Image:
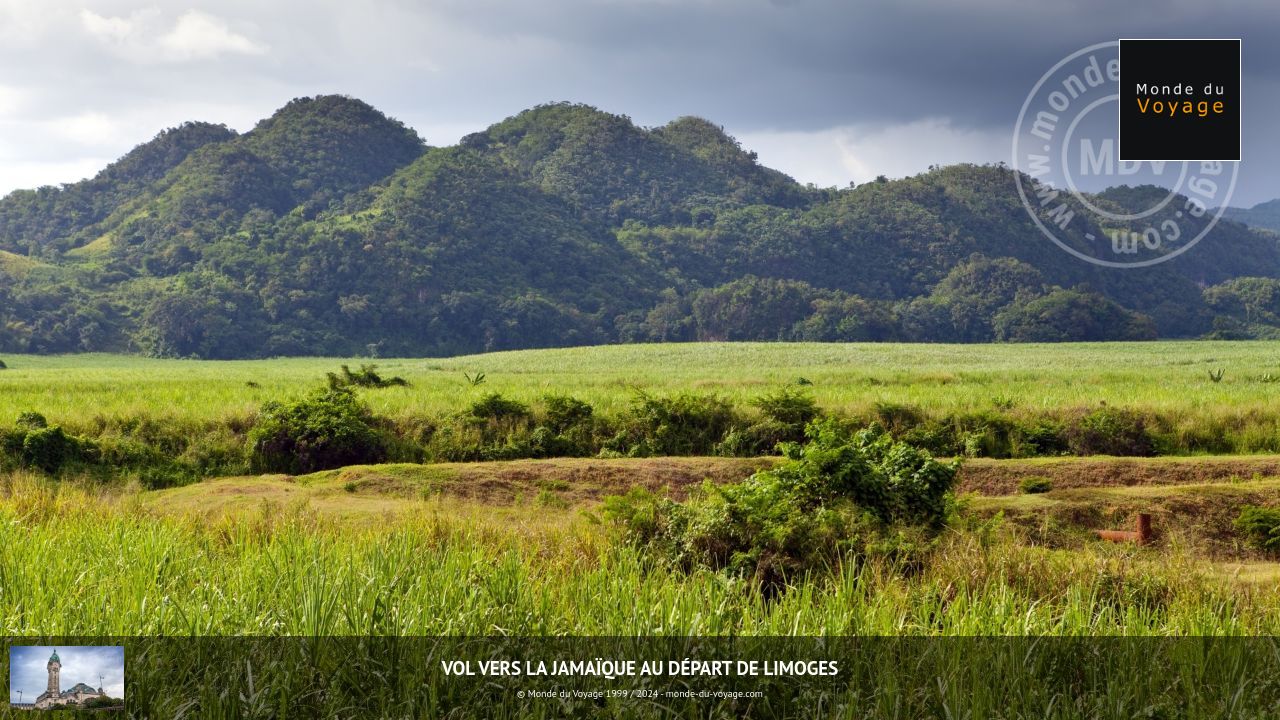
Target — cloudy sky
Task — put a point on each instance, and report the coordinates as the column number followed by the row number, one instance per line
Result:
column 827, row 90
column 28, row 669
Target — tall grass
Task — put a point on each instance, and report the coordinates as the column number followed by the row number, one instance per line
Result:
column 1164, row 376
column 76, row 562
column 198, row 410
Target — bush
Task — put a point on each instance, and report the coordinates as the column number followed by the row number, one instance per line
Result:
column 1035, row 484
column 898, row 417
column 1109, row 431
column 684, row 424
column 366, row 376
column 1260, row 527
column 840, row 492
column 32, row 420
column 328, row 429
column 789, row 407
column 495, row 407
column 565, row 413
column 786, row 413
column 3, row 366
column 46, row 448
column 49, row 448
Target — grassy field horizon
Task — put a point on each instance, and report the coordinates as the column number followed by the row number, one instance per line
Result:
column 523, row 547
column 1170, row 376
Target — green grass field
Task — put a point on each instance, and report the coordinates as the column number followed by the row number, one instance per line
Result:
column 519, row 547
column 328, row 561
column 1171, row 377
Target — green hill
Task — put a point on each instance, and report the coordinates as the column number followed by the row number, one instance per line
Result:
column 330, row 228
column 1263, row 215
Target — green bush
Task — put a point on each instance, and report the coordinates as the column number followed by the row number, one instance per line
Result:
column 785, row 415
column 366, row 377
column 761, row 438
column 328, row 429
column 32, row 420
column 840, row 492
column 49, row 448
column 565, row 413
column 1109, row 431
column 788, row 406
column 1035, row 484
column 1260, row 527
column 495, row 407
column 898, row 417
column 684, row 424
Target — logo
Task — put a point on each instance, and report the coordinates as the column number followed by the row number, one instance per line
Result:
column 1083, row 197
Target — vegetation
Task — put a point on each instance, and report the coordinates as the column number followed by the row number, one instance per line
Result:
column 366, row 377
column 324, row 430
column 330, row 229
column 1035, row 484
column 835, row 497
column 1261, row 527
column 166, row 422
column 415, row 566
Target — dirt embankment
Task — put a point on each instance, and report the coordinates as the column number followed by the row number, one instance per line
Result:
column 1001, row 477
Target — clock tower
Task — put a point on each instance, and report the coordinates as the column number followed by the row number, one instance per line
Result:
column 55, row 667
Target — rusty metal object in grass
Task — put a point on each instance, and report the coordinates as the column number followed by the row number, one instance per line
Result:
column 1141, row 535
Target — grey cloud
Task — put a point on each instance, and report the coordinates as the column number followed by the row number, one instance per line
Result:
column 753, row 65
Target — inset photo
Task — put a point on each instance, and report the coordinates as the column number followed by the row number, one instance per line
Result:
column 89, row 677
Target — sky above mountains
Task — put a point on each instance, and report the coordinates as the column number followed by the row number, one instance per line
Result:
column 829, row 92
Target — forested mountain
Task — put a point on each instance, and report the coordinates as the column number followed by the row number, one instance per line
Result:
column 331, row 229
column 1263, row 215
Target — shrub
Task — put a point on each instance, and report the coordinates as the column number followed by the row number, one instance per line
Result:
column 49, row 448
column 495, row 407
column 3, row 366
column 898, row 417
column 684, row 424
column 785, row 415
column 565, row 413
column 366, row 376
column 1260, row 527
column 328, row 429
column 760, row 438
column 1035, row 484
column 32, row 420
column 837, row 493
column 788, row 406
column 1109, row 431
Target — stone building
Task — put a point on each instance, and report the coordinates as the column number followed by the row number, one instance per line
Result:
column 54, row 695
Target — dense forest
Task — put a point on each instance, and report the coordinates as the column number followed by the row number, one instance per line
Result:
column 331, row 229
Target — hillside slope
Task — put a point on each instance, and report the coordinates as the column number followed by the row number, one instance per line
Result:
column 330, row 228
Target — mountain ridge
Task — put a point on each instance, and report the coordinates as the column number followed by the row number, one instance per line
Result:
column 330, row 228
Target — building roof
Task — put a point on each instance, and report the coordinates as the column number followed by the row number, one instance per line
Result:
column 54, row 657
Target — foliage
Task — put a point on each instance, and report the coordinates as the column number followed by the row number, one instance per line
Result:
column 495, row 407
column 682, row 424
column 1035, row 484
column 840, row 492
column 1071, row 315
column 1110, row 431
column 329, row 229
column 324, row 430
column 1261, row 527
column 366, row 377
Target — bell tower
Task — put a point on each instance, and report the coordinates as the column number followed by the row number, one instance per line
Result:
column 55, row 668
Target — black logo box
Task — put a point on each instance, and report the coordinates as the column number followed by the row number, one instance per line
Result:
column 1180, row 62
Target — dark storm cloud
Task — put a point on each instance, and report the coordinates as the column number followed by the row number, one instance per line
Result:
column 83, row 81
